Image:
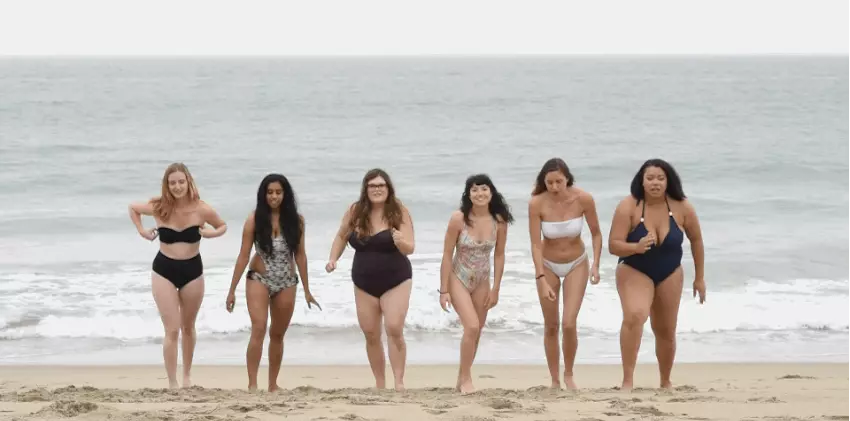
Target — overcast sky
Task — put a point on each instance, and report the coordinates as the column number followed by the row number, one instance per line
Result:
column 154, row 27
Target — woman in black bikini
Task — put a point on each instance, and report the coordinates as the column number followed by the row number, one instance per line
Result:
column 379, row 228
column 649, row 274
column 178, row 272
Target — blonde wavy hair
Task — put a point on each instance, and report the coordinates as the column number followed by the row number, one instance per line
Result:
column 164, row 205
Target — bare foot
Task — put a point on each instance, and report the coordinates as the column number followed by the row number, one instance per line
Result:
column 466, row 387
column 666, row 385
column 399, row 387
column 570, row 383
column 627, row 386
column 252, row 387
column 273, row 388
column 555, row 385
column 187, row 381
column 173, row 385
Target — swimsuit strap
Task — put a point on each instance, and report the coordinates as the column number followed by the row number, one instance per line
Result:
column 643, row 211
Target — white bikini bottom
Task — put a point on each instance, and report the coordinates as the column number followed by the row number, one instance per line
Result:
column 562, row 269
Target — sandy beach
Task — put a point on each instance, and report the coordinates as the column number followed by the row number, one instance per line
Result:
column 703, row 392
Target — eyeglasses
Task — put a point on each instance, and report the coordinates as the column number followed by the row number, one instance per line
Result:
column 376, row 185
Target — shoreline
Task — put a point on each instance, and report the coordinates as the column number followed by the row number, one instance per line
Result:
column 513, row 392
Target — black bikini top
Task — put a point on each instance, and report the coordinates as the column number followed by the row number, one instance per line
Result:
column 188, row 235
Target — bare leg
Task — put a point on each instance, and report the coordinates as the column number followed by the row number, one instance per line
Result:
column 575, row 284
column 664, row 315
column 168, row 303
column 550, row 328
column 394, row 304
column 369, row 318
column 465, row 309
column 191, row 297
column 479, row 299
column 257, row 299
column 636, row 292
column 283, row 304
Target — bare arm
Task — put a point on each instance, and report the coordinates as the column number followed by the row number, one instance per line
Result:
column 592, row 218
column 340, row 240
column 408, row 244
column 534, row 232
column 694, row 233
column 244, row 252
column 211, row 217
column 137, row 209
column 301, row 258
column 617, row 244
column 499, row 254
column 452, row 232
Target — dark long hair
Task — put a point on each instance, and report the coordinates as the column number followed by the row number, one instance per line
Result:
column 674, row 183
column 554, row 164
column 290, row 220
column 360, row 210
column 498, row 207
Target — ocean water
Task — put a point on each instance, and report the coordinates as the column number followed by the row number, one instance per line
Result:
column 761, row 144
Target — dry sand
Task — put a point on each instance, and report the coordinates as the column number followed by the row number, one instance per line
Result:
column 703, row 392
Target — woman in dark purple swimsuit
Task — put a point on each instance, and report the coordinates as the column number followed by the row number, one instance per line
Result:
column 379, row 228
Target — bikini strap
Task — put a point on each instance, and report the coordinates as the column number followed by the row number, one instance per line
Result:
column 643, row 210
column 669, row 212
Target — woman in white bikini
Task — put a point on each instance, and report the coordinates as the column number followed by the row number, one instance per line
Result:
column 557, row 210
column 479, row 226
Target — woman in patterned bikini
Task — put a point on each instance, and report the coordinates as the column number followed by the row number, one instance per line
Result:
column 479, row 226
column 276, row 229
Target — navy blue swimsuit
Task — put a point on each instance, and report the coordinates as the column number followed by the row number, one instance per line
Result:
column 661, row 260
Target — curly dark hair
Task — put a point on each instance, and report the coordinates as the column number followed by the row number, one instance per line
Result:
column 498, row 207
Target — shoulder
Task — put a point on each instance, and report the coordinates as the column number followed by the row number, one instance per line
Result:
column 456, row 219
column 685, row 206
column 405, row 211
column 249, row 221
column 204, row 206
column 584, row 197
column 536, row 201
column 627, row 204
column 350, row 210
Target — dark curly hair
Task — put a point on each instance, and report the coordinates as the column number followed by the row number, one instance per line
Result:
column 498, row 207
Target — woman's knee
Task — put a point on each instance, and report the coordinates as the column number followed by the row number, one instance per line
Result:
column 258, row 331
column 569, row 326
column 635, row 318
column 550, row 329
column 372, row 335
column 172, row 332
column 472, row 331
column 276, row 333
column 664, row 333
column 188, row 330
column 395, row 330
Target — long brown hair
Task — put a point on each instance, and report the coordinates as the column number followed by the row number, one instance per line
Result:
column 361, row 209
column 164, row 205
column 554, row 164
